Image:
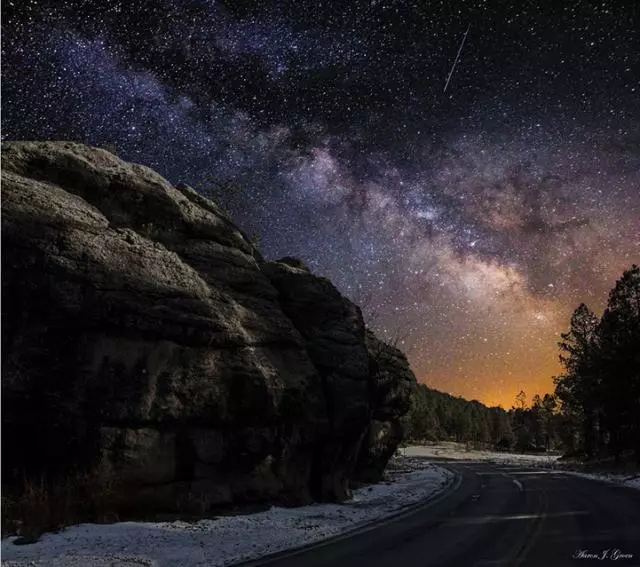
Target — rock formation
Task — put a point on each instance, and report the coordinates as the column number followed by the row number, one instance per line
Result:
column 391, row 385
column 144, row 334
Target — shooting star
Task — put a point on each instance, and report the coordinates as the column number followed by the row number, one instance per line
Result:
column 453, row 68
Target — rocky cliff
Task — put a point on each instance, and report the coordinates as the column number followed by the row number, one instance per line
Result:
column 144, row 334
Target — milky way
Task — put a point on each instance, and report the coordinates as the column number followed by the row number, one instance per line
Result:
column 468, row 224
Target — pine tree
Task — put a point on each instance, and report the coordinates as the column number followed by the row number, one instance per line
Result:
column 550, row 417
column 619, row 363
column 601, row 383
column 578, row 387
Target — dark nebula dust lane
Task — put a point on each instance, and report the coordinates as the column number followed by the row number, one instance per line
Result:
column 469, row 222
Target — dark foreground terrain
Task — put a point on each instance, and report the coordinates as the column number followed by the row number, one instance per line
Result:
column 499, row 516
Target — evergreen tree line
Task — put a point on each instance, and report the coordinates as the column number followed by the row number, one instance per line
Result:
column 599, row 389
column 437, row 416
column 595, row 410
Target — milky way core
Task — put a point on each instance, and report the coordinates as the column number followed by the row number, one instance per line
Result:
column 469, row 224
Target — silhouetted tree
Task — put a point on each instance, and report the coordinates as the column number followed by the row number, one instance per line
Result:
column 618, row 364
column 502, row 433
column 521, row 400
column 577, row 388
column 600, row 387
column 436, row 416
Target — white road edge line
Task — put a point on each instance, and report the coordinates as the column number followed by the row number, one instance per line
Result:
column 410, row 510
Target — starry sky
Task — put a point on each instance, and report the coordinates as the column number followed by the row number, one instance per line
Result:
column 468, row 222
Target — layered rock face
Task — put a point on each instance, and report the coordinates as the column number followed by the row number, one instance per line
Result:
column 391, row 385
column 143, row 333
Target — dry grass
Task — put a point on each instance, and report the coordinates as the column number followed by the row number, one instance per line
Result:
column 43, row 505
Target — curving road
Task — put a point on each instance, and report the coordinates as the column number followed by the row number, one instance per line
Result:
column 498, row 516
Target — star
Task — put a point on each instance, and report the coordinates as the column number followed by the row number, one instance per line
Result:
column 476, row 221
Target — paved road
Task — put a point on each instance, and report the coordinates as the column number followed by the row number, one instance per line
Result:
column 499, row 516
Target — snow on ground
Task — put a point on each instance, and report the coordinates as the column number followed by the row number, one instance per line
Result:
column 458, row 452
column 632, row 481
column 228, row 539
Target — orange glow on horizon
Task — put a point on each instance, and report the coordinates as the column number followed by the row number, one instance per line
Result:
column 496, row 390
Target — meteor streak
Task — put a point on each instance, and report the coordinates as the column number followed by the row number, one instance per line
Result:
column 453, row 68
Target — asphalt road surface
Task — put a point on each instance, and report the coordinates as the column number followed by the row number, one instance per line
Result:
column 498, row 516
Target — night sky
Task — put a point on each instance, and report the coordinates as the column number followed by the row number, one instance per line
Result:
column 469, row 222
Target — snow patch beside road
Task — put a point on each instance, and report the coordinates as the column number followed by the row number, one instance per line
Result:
column 458, row 452
column 632, row 481
column 229, row 539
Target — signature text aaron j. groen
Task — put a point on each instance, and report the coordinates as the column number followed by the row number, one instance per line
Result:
column 602, row 555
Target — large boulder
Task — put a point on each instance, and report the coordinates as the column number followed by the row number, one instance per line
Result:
column 334, row 332
column 143, row 334
column 392, row 383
